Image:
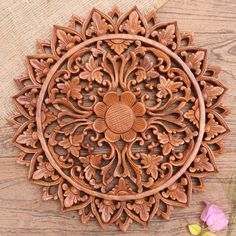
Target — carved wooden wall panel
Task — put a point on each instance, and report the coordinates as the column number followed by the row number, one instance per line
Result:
column 119, row 117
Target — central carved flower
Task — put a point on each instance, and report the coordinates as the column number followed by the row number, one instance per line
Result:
column 120, row 116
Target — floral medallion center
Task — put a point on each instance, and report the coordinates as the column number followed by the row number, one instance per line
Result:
column 120, row 116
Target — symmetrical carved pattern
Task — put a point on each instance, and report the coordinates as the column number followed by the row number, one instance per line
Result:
column 119, row 117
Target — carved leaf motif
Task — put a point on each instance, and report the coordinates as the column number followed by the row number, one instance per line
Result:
column 166, row 36
column 210, row 93
column 121, row 188
column 76, row 139
column 142, row 207
column 194, row 61
column 71, row 88
column 89, row 170
column 65, row 143
column 177, row 192
column 202, row 163
column 106, row 208
column 146, row 63
column 66, row 41
column 72, row 196
column 74, row 149
column 29, row 100
column 213, row 128
column 99, row 26
column 91, row 163
column 28, row 137
column 44, row 170
column 169, row 141
column 167, row 86
column 151, row 163
column 193, row 115
column 146, row 70
column 92, row 71
column 47, row 117
column 41, row 67
column 119, row 45
column 133, row 24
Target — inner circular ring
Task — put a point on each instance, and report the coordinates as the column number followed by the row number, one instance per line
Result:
column 186, row 70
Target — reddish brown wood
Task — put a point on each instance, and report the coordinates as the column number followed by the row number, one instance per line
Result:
column 120, row 117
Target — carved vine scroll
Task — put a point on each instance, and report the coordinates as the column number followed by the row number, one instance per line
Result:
column 119, row 117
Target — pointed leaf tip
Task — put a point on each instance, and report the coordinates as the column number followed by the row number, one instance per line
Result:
column 195, row 229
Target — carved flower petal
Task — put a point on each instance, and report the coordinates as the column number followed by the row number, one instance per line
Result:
column 140, row 124
column 129, row 136
column 99, row 125
column 112, row 137
column 100, row 109
column 139, row 109
column 111, row 98
column 128, row 98
column 166, row 149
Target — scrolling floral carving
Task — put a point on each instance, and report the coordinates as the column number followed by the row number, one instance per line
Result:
column 119, row 117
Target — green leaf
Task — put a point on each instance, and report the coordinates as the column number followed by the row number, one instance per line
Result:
column 208, row 234
column 195, row 229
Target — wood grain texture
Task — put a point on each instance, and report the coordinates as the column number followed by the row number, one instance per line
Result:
column 22, row 212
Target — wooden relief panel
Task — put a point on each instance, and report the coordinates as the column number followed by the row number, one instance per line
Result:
column 119, row 117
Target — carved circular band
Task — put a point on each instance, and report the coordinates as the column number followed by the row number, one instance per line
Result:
column 174, row 57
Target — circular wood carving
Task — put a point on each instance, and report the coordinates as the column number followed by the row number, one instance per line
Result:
column 119, row 117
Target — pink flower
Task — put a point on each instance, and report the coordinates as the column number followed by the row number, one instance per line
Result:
column 214, row 217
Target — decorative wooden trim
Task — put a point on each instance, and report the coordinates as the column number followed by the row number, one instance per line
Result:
column 119, row 117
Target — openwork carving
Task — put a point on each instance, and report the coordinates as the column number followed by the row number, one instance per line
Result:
column 119, row 117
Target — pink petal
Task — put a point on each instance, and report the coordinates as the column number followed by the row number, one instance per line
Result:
column 205, row 213
column 217, row 222
column 214, row 217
